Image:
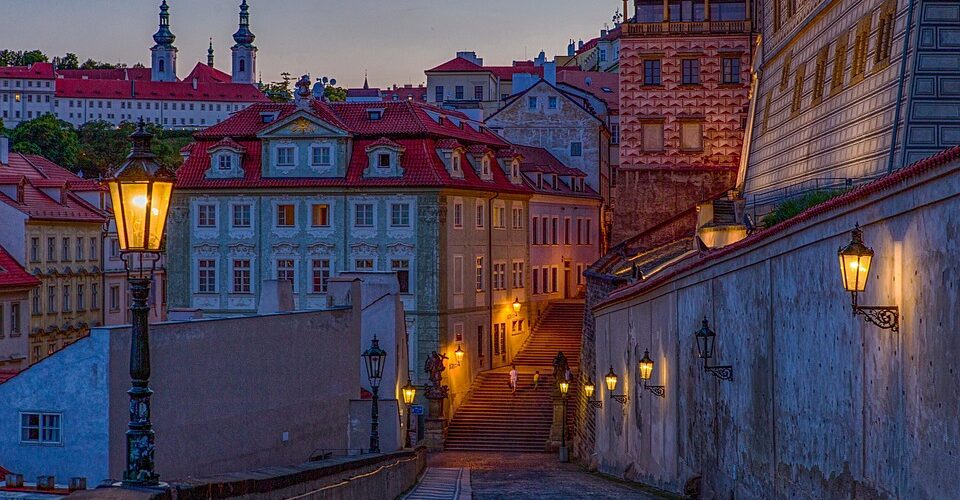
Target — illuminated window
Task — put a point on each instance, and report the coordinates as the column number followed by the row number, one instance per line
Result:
column 860, row 45
column 839, row 63
column 795, row 103
column 821, row 74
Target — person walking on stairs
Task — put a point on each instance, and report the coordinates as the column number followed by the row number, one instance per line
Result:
column 514, row 378
column 536, row 379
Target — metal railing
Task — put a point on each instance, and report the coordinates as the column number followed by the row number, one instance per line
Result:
column 686, row 27
column 763, row 202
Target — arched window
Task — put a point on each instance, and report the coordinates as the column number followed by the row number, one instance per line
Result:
column 160, row 65
column 243, row 65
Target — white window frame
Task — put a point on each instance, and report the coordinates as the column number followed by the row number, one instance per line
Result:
column 233, row 215
column 313, row 207
column 285, row 147
column 458, row 214
column 247, row 287
column 373, row 214
column 479, row 268
column 201, row 207
column 277, row 212
column 200, row 280
column 317, row 148
column 404, row 220
column 292, row 269
column 481, row 215
column 325, row 273
column 42, row 427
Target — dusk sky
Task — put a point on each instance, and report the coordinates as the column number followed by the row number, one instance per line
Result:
column 393, row 41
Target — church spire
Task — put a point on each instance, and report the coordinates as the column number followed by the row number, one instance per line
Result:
column 365, row 84
column 210, row 54
column 244, row 36
column 163, row 36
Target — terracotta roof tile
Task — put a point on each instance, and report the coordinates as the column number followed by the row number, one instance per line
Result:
column 37, row 71
column 12, row 274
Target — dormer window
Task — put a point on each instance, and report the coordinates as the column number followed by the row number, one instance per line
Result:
column 267, row 117
column 485, row 167
column 225, row 162
column 383, row 160
column 285, row 156
column 515, row 168
column 539, row 180
column 553, row 179
column 456, row 163
column 320, row 156
column 374, row 114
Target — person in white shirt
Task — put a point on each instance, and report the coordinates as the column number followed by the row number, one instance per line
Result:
column 514, row 378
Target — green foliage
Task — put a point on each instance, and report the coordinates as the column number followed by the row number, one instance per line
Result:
column 794, row 206
column 103, row 147
column 27, row 148
column 53, row 138
column 69, row 61
column 335, row 94
column 92, row 64
column 279, row 91
column 21, row 57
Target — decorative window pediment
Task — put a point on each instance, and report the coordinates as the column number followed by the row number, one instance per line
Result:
column 452, row 153
column 384, row 159
column 226, row 160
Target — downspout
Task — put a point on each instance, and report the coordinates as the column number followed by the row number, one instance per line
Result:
column 489, row 221
column 900, row 86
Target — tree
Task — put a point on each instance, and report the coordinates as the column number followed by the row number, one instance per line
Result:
column 20, row 57
column 69, row 61
column 335, row 94
column 93, row 64
column 102, row 147
column 55, row 139
column 279, row 91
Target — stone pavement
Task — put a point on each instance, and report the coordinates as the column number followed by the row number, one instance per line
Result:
column 519, row 476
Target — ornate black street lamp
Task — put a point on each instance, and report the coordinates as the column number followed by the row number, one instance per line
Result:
column 855, row 260
column 564, row 453
column 374, row 358
column 646, row 370
column 409, row 394
column 140, row 190
column 706, row 340
column 611, row 380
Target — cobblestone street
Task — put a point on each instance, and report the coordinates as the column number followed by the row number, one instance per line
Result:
column 532, row 476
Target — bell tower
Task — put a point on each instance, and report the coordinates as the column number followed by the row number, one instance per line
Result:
column 244, row 52
column 164, row 55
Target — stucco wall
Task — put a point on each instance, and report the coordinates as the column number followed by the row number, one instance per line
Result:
column 227, row 390
column 74, row 384
column 821, row 404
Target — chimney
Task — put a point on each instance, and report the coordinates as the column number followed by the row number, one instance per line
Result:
column 580, row 44
column 4, row 150
column 571, row 48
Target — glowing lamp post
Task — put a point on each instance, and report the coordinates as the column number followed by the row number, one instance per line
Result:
column 564, row 453
column 409, row 394
column 588, row 390
column 516, row 306
column 855, row 260
column 646, row 370
column 458, row 355
column 374, row 358
column 140, row 190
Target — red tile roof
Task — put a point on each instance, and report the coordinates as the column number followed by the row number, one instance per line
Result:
column 206, row 74
column 383, row 141
column 106, row 74
column 540, row 160
column 13, row 275
column 406, row 92
column 858, row 193
column 37, row 71
column 159, row 91
column 37, row 172
column 406, row 124
column 461, row 65
column 599, row 81
column 363, row 93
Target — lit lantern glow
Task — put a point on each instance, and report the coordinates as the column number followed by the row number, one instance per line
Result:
column 564, row 387
column 458, row 354
column 646, row 366
column 140, row 191
column 516, row 305
column 855, row 259
column 588, row 389
column 409, row 393
column 611, row 380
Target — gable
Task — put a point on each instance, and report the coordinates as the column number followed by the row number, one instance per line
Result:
column 301, row 124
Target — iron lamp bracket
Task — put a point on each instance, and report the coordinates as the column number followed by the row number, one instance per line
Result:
column 620, row 398
column 657, row 390
column 593, row 403
column 886, row 317
column 724, row 372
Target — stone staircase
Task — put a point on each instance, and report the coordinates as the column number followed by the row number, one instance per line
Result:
column 493, row 419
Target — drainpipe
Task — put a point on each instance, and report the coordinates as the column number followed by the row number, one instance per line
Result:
column 489, row 215
column 900, row 85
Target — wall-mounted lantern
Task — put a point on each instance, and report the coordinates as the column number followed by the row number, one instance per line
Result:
column 855, row 260
column 611, row 380
column 706, row 340
column 458, row 355
column 516, row 306
column 646, row 369
column 588, row 389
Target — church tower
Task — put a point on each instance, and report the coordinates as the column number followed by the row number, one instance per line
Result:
column 164, row 54
column 244, row 53
column 210, row 54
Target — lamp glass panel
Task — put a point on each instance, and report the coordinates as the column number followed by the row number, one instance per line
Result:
column 159, row 203
column 611, row 380
column 131, row 211
column 115, row 198
column 855, row 271
column 409, row 393
column 646, row 368
column 459, row 354
column 705, row 345
column 588, row 390
column 564, row 387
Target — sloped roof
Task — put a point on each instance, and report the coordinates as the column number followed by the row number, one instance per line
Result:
column 37, row 71
column 461, row 65
column 39, row 172
column 540, row 160
column 602, row 85
column 209, row 90
column 206, row 74
column 12, row 274
column 106, row 74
